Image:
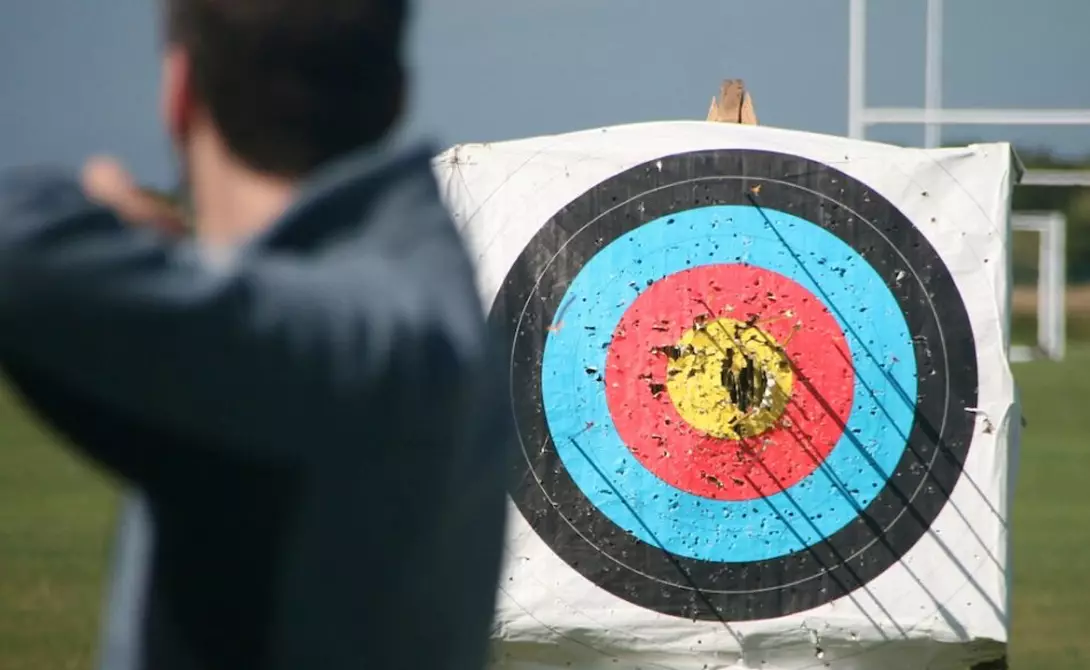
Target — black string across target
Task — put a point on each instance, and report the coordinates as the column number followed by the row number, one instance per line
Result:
column 740, row 383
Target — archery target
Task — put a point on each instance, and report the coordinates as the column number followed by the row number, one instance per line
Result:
column 725, row 407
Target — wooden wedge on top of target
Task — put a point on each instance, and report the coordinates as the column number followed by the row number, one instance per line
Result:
column 734, row 105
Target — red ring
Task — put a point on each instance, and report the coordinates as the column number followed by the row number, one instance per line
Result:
column 694, row 461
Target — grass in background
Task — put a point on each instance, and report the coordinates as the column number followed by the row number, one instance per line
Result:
column 56, row 514
column 1051, row 517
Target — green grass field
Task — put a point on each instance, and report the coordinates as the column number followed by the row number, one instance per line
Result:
column 56, row 513
column 55, row 516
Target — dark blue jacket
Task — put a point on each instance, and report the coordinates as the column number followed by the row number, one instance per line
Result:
column 317, row 430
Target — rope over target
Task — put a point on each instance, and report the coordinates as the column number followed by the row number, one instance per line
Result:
column 741, row 381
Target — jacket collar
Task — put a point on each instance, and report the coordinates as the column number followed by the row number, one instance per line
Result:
column 337, row 195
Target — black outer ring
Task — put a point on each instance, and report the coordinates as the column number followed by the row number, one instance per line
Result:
column 915, row 494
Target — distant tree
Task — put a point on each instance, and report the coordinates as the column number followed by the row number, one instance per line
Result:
column 1078, row 235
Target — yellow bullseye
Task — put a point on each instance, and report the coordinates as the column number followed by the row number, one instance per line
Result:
column 729, row 379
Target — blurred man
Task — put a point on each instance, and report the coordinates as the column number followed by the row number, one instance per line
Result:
column 305, row 396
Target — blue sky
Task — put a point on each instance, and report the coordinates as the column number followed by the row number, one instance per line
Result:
column 78, row 77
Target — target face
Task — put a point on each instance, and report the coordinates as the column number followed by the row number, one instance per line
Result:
column 740, row 383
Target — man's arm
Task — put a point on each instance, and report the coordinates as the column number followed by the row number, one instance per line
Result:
column 121, row 315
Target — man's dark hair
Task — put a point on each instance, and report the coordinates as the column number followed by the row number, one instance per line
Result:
column 291, row 84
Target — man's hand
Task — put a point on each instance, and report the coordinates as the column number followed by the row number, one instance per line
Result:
column 108, row 183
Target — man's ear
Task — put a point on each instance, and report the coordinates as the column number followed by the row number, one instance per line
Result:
column 177, row 103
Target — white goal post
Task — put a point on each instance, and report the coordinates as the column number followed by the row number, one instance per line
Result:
column 1051, row 226
column 1051, row 285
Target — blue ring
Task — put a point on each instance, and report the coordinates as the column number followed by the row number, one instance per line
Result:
column 702, row 528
